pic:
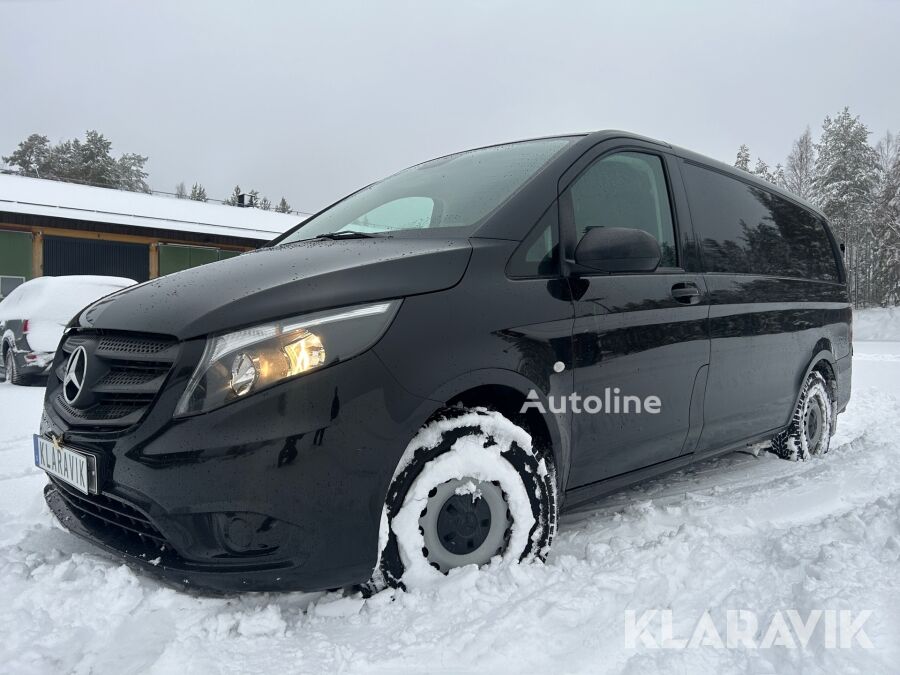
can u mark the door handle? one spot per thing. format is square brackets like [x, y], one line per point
[686, 293]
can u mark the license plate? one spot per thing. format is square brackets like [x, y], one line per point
[74, 468]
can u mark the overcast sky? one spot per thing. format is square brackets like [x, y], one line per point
[312, 100]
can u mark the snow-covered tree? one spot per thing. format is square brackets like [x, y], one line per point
[92, 161]
[743, 158]
[283, 206]
[845, 179]
[129, 173]
[761, 169]
[264, 204]
[181, 190]
[801, 167]
[774, 176]
[32, 157]
[235, 197]
[198, 193]
[885, 271]
[88, 161]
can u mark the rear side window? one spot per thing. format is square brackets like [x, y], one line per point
[745, 229]
[628, 190]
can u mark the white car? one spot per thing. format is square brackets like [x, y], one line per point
[34, 316]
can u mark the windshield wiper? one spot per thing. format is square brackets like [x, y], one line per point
[345, 234]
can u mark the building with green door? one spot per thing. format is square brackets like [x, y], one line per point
[51, 228]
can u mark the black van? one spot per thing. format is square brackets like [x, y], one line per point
[422, 375]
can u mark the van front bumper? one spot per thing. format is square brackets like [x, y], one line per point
[280, 491]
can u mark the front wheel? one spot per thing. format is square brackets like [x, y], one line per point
[809, 433]
[470, 489]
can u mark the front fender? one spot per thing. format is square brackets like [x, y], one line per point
[558, 425]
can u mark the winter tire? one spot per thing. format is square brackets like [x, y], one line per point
[809, 433]
[12, 372]
[469, 490]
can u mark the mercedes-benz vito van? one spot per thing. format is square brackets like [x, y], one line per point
[422, 375]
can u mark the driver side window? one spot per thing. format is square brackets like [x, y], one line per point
[627, 189]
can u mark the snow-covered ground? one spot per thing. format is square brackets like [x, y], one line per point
[737, 533]
[878, 323]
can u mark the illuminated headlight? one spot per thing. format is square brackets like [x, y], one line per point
[239, 364]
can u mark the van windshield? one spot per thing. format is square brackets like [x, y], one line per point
[454, 191]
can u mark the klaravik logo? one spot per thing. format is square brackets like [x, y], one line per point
[835, 629]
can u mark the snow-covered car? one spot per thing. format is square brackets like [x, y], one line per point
[34, 316]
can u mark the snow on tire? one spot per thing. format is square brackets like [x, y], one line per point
[810, 430]
[469, 489]
[12, 373]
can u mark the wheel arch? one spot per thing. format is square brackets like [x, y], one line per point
[822, 361]
[506, 391]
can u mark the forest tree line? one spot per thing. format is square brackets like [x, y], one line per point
[855, 183]
[91, 162]
[857, 186]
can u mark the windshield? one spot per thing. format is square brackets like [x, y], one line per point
[454, 191]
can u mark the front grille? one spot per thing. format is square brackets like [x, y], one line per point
[132, 345]
[104, 512]
[125, 372]
[96, 413]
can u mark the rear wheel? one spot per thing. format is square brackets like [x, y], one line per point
[469, 490]
[809, 433]
[12, 372]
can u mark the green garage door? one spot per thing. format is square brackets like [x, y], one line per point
[15, 254]
[174, 257]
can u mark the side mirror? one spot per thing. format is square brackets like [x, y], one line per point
[618, 249]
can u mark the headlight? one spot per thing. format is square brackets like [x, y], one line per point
[236, 365]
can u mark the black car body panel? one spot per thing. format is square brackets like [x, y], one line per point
[284, 489]
[277, 282]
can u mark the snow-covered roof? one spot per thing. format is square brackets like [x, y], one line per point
[35, 196]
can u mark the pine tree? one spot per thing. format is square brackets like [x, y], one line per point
[283, 206]
[743, 158]
[885, 271]
[32, 157]
[761, 169]
[198, 193]
[235, 197]
[93, 163]
[88, 161]
[801, 167]
[129, 173]
[846, 176]
[776, 176]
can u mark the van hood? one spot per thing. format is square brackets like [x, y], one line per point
[273, 283]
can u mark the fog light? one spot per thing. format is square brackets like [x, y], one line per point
[243, 533]
[244, 374]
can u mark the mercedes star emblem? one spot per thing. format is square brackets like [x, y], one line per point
[76, 371]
